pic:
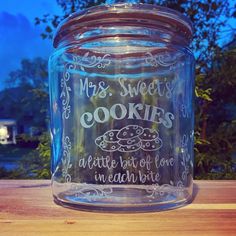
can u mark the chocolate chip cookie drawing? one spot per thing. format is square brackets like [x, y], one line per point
[150, 140]
[105, 145]
[111, 135]
[130, 141]
[130, 148]
[152, 145]
[130, 145]
[130, 138]
[130, 131]
[149, 134]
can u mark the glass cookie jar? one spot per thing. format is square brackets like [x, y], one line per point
[121, 96]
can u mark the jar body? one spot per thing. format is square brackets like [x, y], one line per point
[122, 124]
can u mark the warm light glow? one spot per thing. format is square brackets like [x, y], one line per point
[3, 132]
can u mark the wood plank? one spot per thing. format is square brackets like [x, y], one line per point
[26, 208]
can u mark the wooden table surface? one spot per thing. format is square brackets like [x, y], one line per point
[27, 208]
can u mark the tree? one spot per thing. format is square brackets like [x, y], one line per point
[26, 95]
[32, 74]
[26, 98]
[209, 17]
[215, 121]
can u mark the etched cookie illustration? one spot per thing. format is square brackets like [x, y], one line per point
[99, 140]
[151, 145]
[130, 148]
[130, 138]
[149, 134]
[109, 147]
[128, 142]
[111, 135]
[130, 131]
[106, 146]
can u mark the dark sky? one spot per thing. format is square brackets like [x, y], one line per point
[19, 37]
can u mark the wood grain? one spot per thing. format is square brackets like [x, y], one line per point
[27, 208]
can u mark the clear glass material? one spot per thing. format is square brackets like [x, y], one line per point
[121, 94]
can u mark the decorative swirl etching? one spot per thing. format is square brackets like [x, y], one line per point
[184, 109]
[65, 93]
[156, 190]
[66, 164]
[91, 192]
[88, 61]
[165, 60]
[185, 156]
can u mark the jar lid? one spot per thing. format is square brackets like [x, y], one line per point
[125, 14]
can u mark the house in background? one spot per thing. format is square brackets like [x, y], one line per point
[8, 131]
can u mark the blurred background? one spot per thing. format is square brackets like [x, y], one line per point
[26, 31]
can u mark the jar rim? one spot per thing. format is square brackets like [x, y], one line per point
[128, 12]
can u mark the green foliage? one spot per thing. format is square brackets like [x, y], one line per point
[36, 164]
[25, 140]
[33, 165]
[217, 176]
[11, 154]
[215, 77]
[215, 142]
